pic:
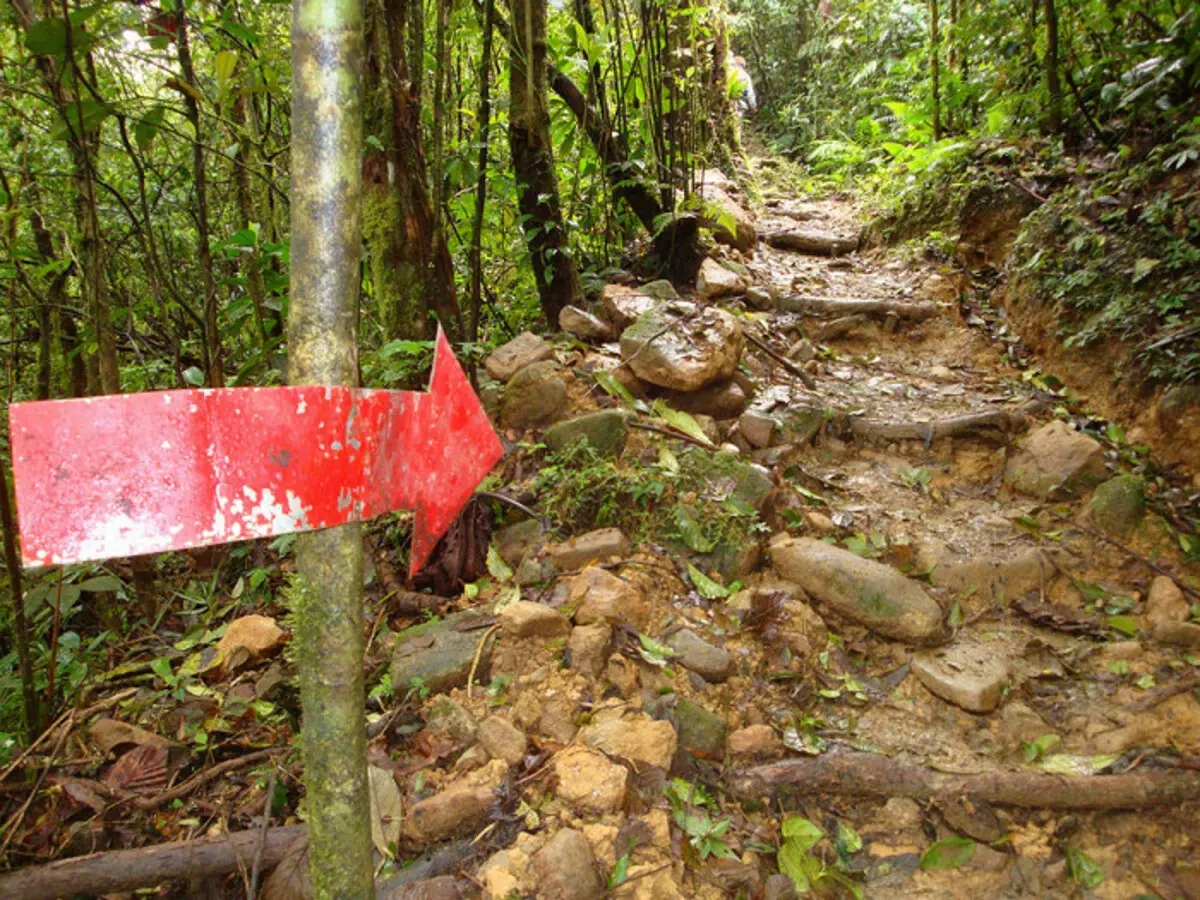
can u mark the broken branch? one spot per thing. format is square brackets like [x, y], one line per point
[848, 306]
[815, 242]
[929, 431]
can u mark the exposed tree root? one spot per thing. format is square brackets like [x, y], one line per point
[126, 870]
[874, 775]
[849, 306]
[1006, 420]
[817, 243]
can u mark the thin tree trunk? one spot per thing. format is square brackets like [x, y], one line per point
[20, 628]
[533, 163]
[256, 286]
[1053, 85]
[485, 118]
[72, 354]
[934, 41]
[326, 595]
[212, 333]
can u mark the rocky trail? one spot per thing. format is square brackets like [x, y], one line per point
[796, 573]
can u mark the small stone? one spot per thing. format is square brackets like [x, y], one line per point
[987, 859]
[779, 887]
[460, 807]
[695, 653]
[595, 546]
[990, 578]
[589, 647]
[820, 523]
[506, 361]
[1119, 504]
[533, 570]
[721, 400]
[525, 619]
[558, 720]
[624, 305]
[970, 673]
[605, 431]
[755, 740]
[589, 782]
[513, 542]
[636, 738]
[503, 740]
[1179, 634]
[536, 395]
[1166, 604]
[248, 638]
[471, 759]
[449, 717]
[1055, 459]
[759, 298]
[901, 814]
[437, 655]
[582, 324]
[800, 424]
[757, 427]
[566, 869]
[700, 731]
[802, 351]
[714, 280]
[866, 591]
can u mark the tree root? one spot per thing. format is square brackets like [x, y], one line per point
[126, 870]
[850, 772]
[1007, 421]
[817, 243]
[848, 306]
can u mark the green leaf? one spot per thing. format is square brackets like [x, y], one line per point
[224, 66]
[802, 832]
[193, 376]
[667, 460]
[690, 531]
[1084, 870]
[1143, 267]
[496, 566]
[653, 652]
[791, 860]
[84, 116]
[620, 871]
[162, 668]
[681, 421]
[848, 839]
[705, 586]
[948, 854]
[1127, 625]
[1035, 750]
[100, 584]
[146, 128]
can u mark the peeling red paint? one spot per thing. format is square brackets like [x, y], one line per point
[128, 474]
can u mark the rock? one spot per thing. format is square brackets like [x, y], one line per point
[589, 782]
[759, 298]
[625, 305]
[993, 579]
[557, 721]
[866, 591]
[721, 400]
[536, 395]
[695, 653]
[437, 655]
[755, 740]
[1179, 634]
[1177, 406]
[635, 738]
[732, 561]
[533, 571]
[971, 673]
[595, 546]
[901, 814]
[443, 887]
[757, 427]
[1166, 604]
[448, 717]
[700, 731]
[525, 619]
[752, 482]
[566, 869]
[802, 630]
[470, 759]
[744, 235]
[503, 740]
[600, 596]
[248, 638]
[779, 887]
[604, 430]
[513, 542]
[624, 376]
[460, 807]
[715, 280]
[589, 647]
[526, 348]
[800, 424]
[1053, 459]
[802, 351]
[819, 522]
[686, 353]
[505, 872]
[583, 324]
[651, 881]
[1118, 505]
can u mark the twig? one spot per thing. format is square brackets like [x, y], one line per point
[255, 869]
[11, 826]
[809, 381]
[182, 790]
[645, 426]
[1166, 692]
[515, 504]
[478, 655]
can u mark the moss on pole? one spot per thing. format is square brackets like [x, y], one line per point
[327, 57]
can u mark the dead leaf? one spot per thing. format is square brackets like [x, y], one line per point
[387, 810]
[83, 791]
[247, 639]
[108, 734]
[142, 770]
[289, 880]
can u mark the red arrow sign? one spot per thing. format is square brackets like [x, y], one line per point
[142, 473]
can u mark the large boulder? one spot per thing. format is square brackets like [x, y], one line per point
[536, 395]
[526, 348]
[437, 655]
[583, 324]
[683, 352]
[1055, 459]
[863, 590]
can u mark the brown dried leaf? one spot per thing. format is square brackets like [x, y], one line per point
[142, 770]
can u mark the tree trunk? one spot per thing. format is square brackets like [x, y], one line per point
[934, 41]
[256, 285]
[214, 373]
[533, 163]
[1053, 85]
[326, 594]
[485, 118]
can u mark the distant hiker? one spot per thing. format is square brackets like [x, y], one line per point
[741, 87]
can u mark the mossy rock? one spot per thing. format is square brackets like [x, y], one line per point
[1119, 504]
[700, 732]
[605, 431]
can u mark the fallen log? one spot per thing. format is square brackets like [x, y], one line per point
[127, 870]
[849, 772]
[848, 306]
[1006, 420]
[817, 243]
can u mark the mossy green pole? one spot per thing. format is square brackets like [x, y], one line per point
[327, 58]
